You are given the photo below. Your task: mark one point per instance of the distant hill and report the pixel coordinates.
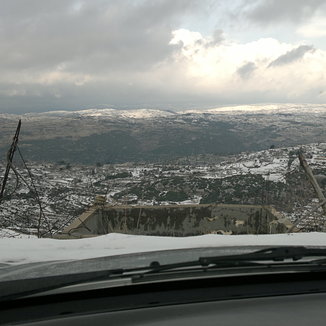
(114, 136)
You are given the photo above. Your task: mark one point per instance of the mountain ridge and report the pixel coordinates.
(152, 113)
(110, 135)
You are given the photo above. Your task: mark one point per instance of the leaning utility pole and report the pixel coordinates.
(313, 181)
(10, 156)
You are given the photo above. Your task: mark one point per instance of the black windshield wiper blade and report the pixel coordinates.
(256, 258)
(276, 254)
(270, 254)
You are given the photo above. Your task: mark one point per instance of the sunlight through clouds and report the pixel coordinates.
(314, 29)
(219, 67)
(166, 53)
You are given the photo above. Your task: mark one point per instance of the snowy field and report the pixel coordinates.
(30, 249)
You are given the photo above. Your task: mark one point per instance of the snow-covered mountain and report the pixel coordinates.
(262, 109)
(111, 135)
(286, 108)
(112, 113)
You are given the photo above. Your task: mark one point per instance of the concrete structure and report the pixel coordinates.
(177, 220)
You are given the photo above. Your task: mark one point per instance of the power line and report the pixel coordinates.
(37, 196)
(33, 190)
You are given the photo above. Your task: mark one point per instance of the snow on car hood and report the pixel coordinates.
(30, 250)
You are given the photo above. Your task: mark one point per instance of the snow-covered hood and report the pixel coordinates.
(31, 249)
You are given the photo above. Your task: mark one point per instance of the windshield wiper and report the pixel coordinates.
(277, 254)
(257, 258)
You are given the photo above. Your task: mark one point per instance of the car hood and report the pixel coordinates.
(135, 260)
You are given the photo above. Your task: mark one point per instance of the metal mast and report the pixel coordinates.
(313, 181)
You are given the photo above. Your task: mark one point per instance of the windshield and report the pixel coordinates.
(141, 126)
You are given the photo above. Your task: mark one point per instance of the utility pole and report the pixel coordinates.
(10, 156)
(313, 181)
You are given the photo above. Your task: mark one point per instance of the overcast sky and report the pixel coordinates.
(168, 54)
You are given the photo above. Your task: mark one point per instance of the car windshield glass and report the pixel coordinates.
(159, 132)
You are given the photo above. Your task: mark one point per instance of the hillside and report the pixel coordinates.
(116, 136)
(269, 177)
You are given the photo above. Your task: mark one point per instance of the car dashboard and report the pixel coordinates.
(267, 299)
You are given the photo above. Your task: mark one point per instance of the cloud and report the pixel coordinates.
(246, 70)
(52, 45)
(214, 71)
(136, 53)
(270, 11)
(217, 38)
(291, 56)
(95, 36)
(313, 29)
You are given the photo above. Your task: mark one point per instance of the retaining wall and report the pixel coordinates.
(178, 220)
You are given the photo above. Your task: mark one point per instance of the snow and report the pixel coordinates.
(267, 108)
(95, 113)
(261, 108)
(134, 114)
(31, 249)
(8, 233)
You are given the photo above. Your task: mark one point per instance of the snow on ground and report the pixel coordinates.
(260, 108)
(8, 233)
(26, 250)
(109, 112)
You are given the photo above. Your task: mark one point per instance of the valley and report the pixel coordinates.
(269, 177)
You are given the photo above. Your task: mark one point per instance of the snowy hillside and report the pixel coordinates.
(66, 190)
(116, 136)
(152, 113)
(262, 109)
(112, 113)
(155, 113)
